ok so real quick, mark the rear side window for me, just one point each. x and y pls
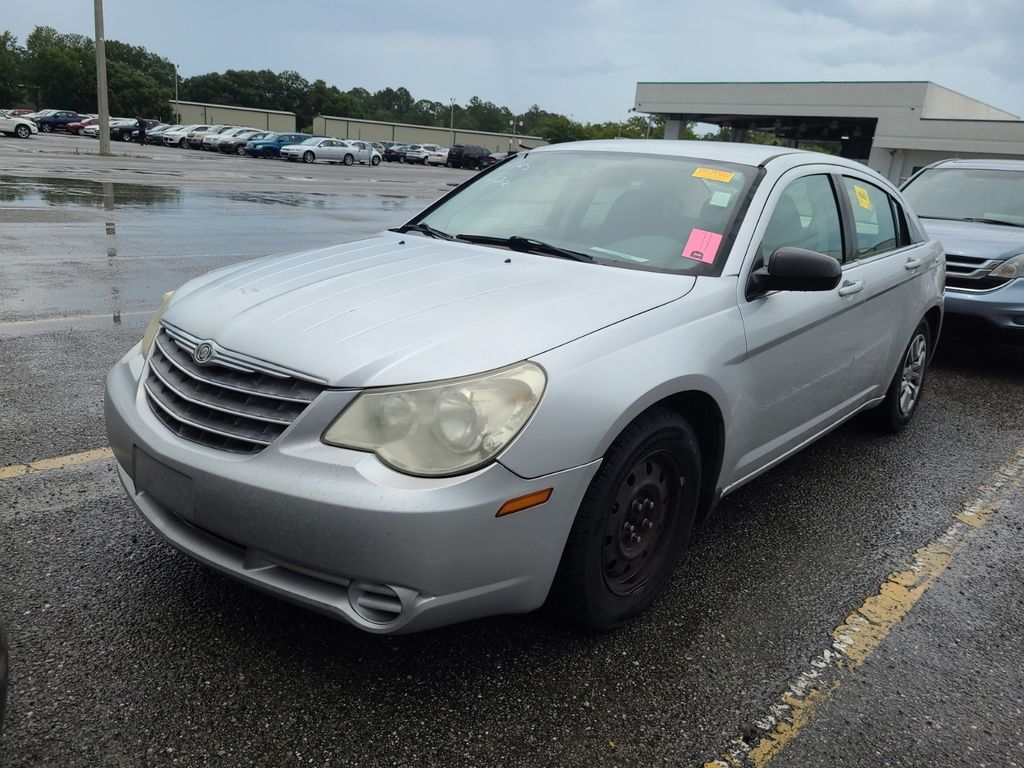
(873, 218)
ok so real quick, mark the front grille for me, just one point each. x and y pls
(971, 273)
(233, 403)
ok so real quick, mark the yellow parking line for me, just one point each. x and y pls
(60, 462)
(863, 630)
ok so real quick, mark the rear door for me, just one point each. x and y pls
(888, 265)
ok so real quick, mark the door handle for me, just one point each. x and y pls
(848, 288)
(912, 263)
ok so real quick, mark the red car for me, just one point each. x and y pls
(18, 112)
(76, 128)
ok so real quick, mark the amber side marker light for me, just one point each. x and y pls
(524, 502)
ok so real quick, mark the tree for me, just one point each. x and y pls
(60, 70)
(11, 58)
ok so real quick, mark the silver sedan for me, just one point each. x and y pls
(531, 391)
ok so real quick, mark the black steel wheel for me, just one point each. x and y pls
(268, 152)
(907, 385)
(633, 525)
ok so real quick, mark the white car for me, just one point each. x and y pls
(179, 137)
(16, 126)
(438, 157)
(418, 153)
(331, 150)
(196, 137)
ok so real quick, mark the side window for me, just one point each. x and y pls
(873, 218)
(805, 216)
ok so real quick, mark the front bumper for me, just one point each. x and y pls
(1003, 307)
(336, 530)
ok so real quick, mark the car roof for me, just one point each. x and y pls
(981, 164)
(721, 151)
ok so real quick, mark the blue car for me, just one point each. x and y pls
(270, 145)
(976, 208)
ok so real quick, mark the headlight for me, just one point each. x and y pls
(1011, 268)
(154, 324)
(443, 428)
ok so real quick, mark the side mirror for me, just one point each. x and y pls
(795, 269)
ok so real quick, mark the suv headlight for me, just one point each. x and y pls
(154, 324)
(441, 428)
(1011, 268)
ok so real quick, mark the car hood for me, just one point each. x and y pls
(972, 238)
(398, 309)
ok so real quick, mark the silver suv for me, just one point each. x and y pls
(976, 208)
(532, 390)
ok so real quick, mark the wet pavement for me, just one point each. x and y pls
(126, 653)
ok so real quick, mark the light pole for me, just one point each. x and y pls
(101, 80)
(512, 125)
(176, 77)
(452, 122)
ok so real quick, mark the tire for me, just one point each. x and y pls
(78, 132)
(240, 150)
(348, 160)
(907, 386)
(308, 157)
(268, 152)
(633, 524)
(183, 143)
(46, 128)
(22, 131)
(401, 158)
(126, 137)
(375, 160)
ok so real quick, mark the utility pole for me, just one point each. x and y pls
(452, 126)
(101, 81)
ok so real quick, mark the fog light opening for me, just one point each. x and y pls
(377, 603)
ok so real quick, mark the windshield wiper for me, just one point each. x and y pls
(982, 220)
(978, 219)
(426, 229)
(527, 245)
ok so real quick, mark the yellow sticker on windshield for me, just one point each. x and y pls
(714, 174)
(863, 200)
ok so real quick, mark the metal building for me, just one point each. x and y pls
(894, 127)
(198, 113)
(376, 130)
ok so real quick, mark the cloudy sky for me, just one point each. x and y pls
(578, 57)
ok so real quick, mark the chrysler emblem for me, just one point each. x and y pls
(203, 352)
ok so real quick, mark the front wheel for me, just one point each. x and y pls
(907, 385)
(45, 128)
(308, 157)
(183, 143)
(268, 153)
(633, 525)
(375, 160)
(240, 150)
(348, 160)
(22, 131)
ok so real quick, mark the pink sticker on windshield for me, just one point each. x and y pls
(702, 246)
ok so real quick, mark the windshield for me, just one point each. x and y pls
(653, 212)
(968, 193)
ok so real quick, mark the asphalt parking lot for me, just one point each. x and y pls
(860, 605)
